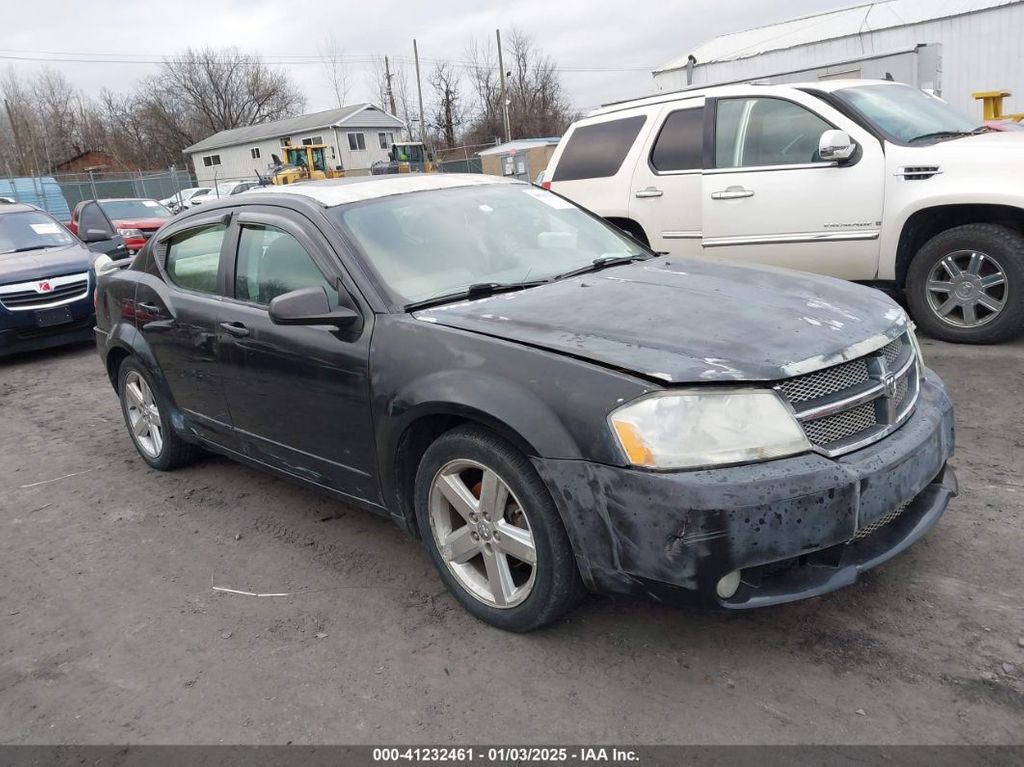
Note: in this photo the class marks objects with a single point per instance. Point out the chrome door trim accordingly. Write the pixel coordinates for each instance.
(676, 234)
(776, 239)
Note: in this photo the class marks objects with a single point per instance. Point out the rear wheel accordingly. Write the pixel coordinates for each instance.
(493, 532)
(147, 418)
(966, 285)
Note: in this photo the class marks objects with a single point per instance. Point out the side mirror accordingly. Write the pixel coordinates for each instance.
(309, 306)
(96, 235)
(835, 145)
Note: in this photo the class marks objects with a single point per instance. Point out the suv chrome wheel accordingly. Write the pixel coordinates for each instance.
(143, 415)
(482, 533)
(967, 289)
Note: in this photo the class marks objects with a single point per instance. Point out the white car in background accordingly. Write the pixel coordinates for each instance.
(223, 189)
(864, 180)
(180, 198)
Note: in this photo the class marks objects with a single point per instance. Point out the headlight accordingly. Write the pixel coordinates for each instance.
(686, 430)
(130, 232)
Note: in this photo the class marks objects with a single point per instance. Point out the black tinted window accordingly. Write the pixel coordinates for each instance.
(597, 151)
(92, 217)
(680, 143)
(272, 262)
(194, 256)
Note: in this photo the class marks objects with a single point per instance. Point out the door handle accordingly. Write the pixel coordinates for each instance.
(151, 308)
(649, 192)
(236, 329)
(732, 193)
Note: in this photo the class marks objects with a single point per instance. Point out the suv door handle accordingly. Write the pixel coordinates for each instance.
(732, 193)
(649, 192)
(151, 308)
(236, 329)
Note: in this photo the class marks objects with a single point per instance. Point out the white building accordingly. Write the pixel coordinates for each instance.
(952, 47)
(356, 136)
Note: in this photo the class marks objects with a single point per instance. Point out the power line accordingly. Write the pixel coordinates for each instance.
(70, 57)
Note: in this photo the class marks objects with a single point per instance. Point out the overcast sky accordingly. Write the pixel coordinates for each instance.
(576, 33)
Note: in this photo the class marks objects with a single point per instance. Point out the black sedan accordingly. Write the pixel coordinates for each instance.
(546, 404)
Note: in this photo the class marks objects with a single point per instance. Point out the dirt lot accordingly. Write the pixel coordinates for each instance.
(111, 631)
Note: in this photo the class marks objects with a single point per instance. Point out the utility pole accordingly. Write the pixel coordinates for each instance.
(419, 91)
(387, 80)
(504, 93)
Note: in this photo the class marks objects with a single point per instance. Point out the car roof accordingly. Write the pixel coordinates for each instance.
(17, 207)
(339, 191)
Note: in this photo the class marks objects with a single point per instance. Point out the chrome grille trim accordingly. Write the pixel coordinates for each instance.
(27, 296)
(851, 405)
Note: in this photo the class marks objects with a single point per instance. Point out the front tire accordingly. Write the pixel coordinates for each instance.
(147, 417)
(493, 532)
(966, 284)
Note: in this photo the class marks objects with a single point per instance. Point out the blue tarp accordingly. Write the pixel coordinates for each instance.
(43, 192)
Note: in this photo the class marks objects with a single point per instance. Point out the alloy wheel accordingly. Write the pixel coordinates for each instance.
(483, 534)
(143, 415)
(967, 288)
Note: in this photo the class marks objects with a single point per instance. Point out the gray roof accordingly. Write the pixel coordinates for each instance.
(520, 145)
(329, 118)
(340, 191)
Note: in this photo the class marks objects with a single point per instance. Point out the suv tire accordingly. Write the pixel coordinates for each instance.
(966, 284)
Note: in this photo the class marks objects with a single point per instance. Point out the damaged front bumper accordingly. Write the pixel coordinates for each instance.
(794, 527)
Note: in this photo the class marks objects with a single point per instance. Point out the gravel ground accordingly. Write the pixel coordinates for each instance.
(110, 631)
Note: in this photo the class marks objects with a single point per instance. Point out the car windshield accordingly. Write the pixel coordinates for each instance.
(907, 114)
(118, 210)
(31, 230)
(429, 244)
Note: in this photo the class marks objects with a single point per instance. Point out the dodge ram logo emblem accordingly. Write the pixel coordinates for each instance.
(45, 287)
(889, 383)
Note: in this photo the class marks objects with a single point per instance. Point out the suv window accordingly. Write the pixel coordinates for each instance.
(680, 143)
(272, 262)
(597, 151)
(765, 131)
(193, 258)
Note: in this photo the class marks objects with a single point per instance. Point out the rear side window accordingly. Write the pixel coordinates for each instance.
(597, 151)
(680, 142)
(193, 258)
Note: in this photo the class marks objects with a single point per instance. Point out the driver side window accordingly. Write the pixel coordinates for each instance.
(755, 132)
(271, 262)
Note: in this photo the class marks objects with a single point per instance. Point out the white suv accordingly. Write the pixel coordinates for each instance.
(870, 181)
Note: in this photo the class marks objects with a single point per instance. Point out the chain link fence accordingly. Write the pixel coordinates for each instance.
(156, 185)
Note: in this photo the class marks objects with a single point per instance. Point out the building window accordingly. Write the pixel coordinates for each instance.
(255, 152)
(286, 141)
(313, 140)
(211, 159)
(385, 139)
(356, 141)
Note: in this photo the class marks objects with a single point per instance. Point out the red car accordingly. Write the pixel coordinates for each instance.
(135, 219)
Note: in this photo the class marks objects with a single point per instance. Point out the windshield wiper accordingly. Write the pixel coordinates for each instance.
(603, 263)
(941, 134)
(27, 248)
(476, 290)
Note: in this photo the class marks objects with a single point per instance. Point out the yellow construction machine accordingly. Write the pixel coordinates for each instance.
(301, 163)
(407, 157)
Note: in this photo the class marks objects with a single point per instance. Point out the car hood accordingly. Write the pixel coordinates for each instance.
(140, 223)
(687, 321)
(38, 264)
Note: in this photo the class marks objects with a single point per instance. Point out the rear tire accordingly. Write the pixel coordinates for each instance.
(501, 517)
(966, 284)
(147, 416)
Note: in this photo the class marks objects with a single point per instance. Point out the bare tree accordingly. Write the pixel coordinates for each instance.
(448, 111)
(335, 70)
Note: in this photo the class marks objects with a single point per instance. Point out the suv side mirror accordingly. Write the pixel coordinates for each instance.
(835, 145)
(309, 306)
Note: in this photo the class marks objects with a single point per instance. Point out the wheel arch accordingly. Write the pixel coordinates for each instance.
(927, 222)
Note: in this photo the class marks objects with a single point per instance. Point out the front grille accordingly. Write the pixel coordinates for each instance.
(881, 522)
(849, 405)
(43, 293)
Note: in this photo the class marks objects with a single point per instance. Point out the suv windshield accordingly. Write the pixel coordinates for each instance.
(118, 210)
(907, 114)
(31, 230)
(429, 244)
